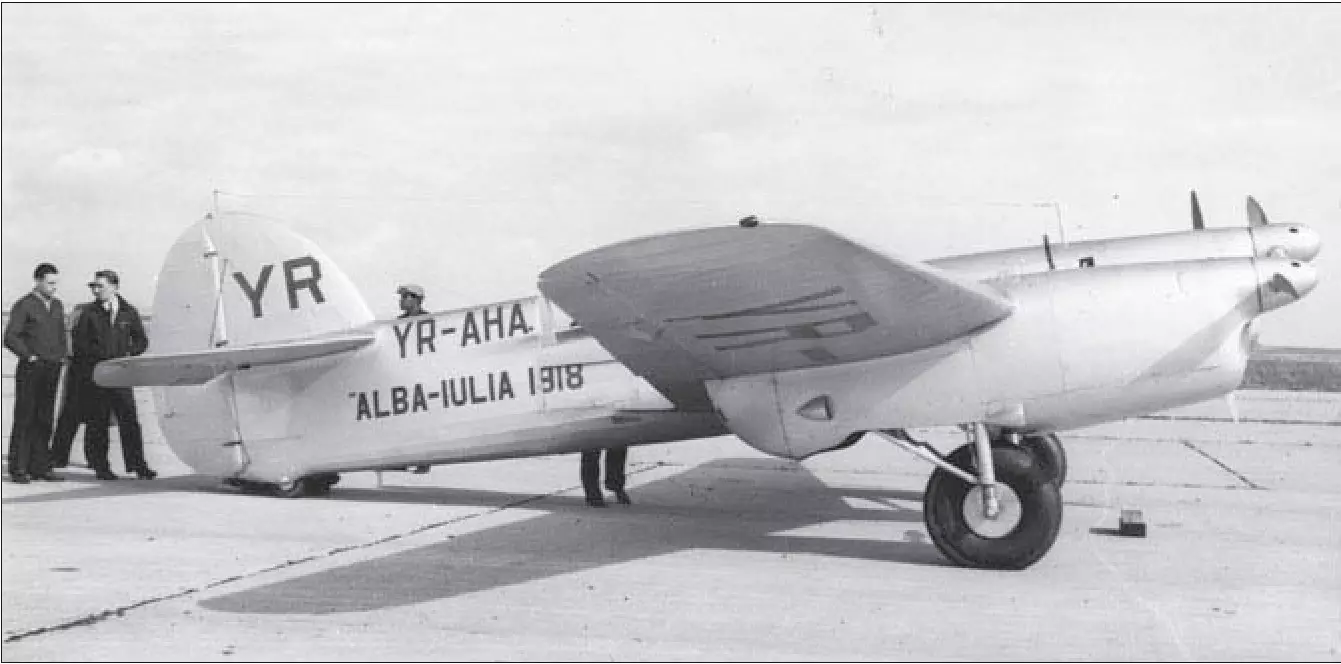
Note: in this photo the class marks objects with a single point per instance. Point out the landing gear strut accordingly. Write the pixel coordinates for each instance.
(988, 505)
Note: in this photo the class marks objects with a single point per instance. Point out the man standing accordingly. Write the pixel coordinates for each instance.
(36, 334)
(614, 475)
(108, 329)
(78, 385)
(411, 300)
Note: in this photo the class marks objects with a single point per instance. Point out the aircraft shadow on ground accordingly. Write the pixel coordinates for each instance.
(86, 487)
(718, 505)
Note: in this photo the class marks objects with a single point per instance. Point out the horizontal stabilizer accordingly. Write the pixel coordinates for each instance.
(198, 367)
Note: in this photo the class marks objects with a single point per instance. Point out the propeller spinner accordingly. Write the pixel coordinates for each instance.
(1281, 240)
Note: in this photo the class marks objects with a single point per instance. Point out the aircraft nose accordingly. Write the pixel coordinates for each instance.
(1305, 278)
(1295, 241)
(1306, 244)
(1283, 281)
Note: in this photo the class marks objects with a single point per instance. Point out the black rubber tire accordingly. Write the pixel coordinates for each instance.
(1024, 545)
(1047, 449)
(293, 489)
(312, 485)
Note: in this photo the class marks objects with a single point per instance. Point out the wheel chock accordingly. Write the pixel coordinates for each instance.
(1131, 524)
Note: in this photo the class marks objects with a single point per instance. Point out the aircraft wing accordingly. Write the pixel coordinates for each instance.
(691, 306)
(197, 367)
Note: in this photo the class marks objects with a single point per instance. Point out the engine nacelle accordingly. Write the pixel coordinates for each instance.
(1082, 347)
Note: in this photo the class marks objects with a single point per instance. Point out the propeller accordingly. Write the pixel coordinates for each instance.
(1198, 223)
(1256, 215)
(1280, 284)
(1233, 405)
(1251, 332)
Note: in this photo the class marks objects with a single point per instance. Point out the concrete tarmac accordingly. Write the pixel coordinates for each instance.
(725, 555)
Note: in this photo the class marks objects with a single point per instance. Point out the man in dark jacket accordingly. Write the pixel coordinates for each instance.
(109, 329)
(36, 334)
(78, 385)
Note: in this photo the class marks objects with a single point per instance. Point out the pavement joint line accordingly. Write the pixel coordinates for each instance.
(1242, 420)
(1167, 485)
(1161, 439)
(120, 611)
(1088, 482)
(1192, 446)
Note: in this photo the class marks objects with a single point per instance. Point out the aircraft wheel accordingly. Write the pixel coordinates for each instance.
(312, 485)
(1023, 531)
(1047, 449)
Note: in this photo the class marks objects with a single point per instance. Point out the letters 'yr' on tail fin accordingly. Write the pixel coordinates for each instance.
(237, 280)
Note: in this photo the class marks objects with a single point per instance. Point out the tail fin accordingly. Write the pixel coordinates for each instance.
(239, 279)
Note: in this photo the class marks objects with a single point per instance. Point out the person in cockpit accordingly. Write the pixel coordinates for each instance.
(411, 300)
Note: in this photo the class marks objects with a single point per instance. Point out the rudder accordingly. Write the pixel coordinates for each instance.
(229, 283)
(237, 279)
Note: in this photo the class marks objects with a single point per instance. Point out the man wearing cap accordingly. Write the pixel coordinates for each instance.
(111, 328)
(411, 300)
(36, 335)
(412, 304)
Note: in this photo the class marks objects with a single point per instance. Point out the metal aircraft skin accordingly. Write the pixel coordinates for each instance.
(270, 370)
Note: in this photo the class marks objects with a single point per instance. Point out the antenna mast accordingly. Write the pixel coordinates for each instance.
(1061, 226)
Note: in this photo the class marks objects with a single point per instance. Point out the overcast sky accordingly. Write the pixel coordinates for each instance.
(466, 148)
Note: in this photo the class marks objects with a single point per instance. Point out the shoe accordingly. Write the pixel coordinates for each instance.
(622, 497)
(146, 473)
(19, 479)
(106, 475)
(49, 477)
(596, 502)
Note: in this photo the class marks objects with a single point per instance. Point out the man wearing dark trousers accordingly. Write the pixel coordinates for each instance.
(109, 329)
(36, 335)
(614, 475)
(78, 385)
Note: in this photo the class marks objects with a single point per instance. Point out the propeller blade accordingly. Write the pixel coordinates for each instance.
(1256, 215)
(1253, 332)
(1233, 406)
(1197, 222)
(1279, 284)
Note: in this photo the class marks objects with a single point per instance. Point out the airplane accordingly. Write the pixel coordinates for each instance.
(270, 371)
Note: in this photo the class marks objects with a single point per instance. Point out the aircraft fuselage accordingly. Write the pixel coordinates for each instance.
(1100, 330)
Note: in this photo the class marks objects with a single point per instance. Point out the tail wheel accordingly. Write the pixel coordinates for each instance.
(292, 488)
(1023, 531)
(312, 485)
(1047, 449)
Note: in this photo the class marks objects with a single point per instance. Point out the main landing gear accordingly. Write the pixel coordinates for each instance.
(1046, 448)
(1004, 514)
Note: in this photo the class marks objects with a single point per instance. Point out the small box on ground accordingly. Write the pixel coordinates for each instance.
(1131, 524)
